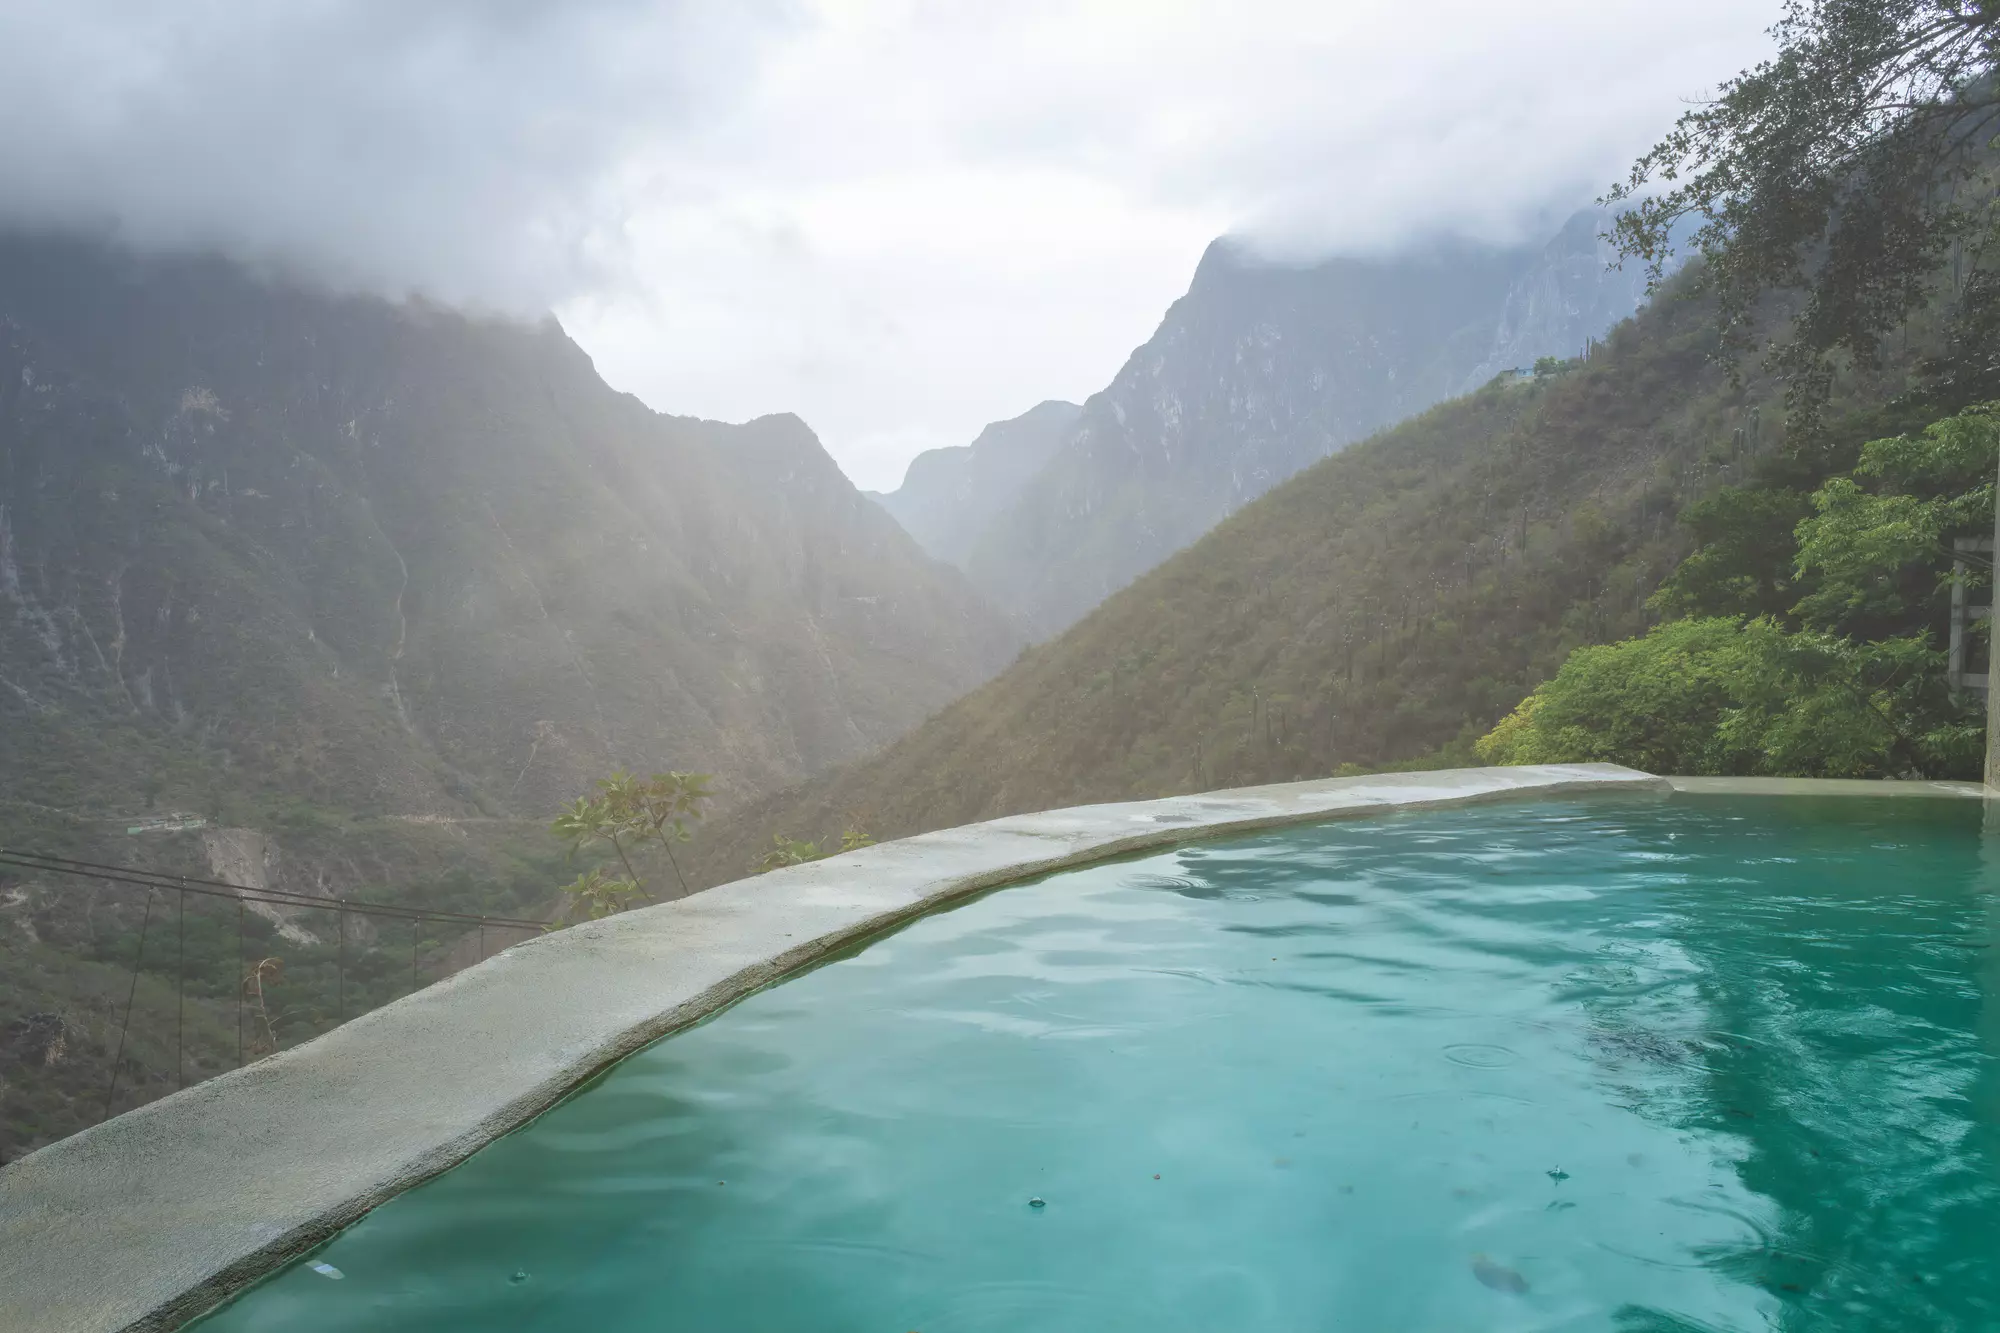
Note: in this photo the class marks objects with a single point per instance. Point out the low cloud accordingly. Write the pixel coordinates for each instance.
(899, 219)
(472, 150)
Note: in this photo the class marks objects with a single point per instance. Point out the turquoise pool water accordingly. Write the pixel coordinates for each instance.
(1620, 1064)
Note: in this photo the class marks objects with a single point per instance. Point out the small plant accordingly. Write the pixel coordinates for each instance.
(796, 851)
(266, 972)
(627, 812)
(600, 897)
(787, 852)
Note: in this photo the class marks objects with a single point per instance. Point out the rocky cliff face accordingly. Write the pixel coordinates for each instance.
(1567, 297)
(1263, 369)
(395, 559)
(949, 495)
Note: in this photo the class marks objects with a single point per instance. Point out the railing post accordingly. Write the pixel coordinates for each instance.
(180, 990)
(242, 983)
(138, 957)
(340, 966)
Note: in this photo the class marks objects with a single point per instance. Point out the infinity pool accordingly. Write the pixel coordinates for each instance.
(1618, 1064)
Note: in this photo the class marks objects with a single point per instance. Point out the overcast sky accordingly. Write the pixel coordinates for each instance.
(899, 220)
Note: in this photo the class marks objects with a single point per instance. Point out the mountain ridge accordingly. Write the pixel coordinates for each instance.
(394, 558)
(949, 495)
(1260, 369)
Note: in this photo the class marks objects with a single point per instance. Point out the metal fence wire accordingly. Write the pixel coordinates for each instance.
(283, 910)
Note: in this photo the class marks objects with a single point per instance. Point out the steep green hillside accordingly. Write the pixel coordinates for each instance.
(1384, 607)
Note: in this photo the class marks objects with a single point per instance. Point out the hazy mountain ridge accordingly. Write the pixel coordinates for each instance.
(397, 559)
(949, 495)
(1574, 292)
(1265, 368)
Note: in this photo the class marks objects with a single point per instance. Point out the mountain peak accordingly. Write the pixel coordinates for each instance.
(949, 494)
(1265, 366)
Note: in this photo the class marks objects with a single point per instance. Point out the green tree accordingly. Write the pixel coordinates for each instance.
(1847, 167)
(1876, 550)
(1722, 695)
(1743, 561)
(626, 812)
(1849, 680)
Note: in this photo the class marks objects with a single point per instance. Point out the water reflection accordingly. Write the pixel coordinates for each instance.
(1854, 1055)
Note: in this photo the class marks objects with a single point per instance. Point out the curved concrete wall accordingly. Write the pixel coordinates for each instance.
(151, 1218)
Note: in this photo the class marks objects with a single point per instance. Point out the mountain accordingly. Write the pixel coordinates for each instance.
(348, 595)
(267, 544)
(1382, 608)
(1568, 297)
(1263, 369)
(949, 495)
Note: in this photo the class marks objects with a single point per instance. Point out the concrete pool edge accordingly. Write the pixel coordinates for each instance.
(1823, 787)
(158, 1215)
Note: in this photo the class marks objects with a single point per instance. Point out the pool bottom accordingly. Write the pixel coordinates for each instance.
(1611, 1064)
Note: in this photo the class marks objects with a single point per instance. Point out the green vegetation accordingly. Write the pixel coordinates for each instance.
(797, 851)
(1852, 167)
(1824, 655)
(1809, 633)
(627, 813)
(1727, 696)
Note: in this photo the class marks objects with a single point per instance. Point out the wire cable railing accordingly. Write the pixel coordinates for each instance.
(282, 910)
(63, 865)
